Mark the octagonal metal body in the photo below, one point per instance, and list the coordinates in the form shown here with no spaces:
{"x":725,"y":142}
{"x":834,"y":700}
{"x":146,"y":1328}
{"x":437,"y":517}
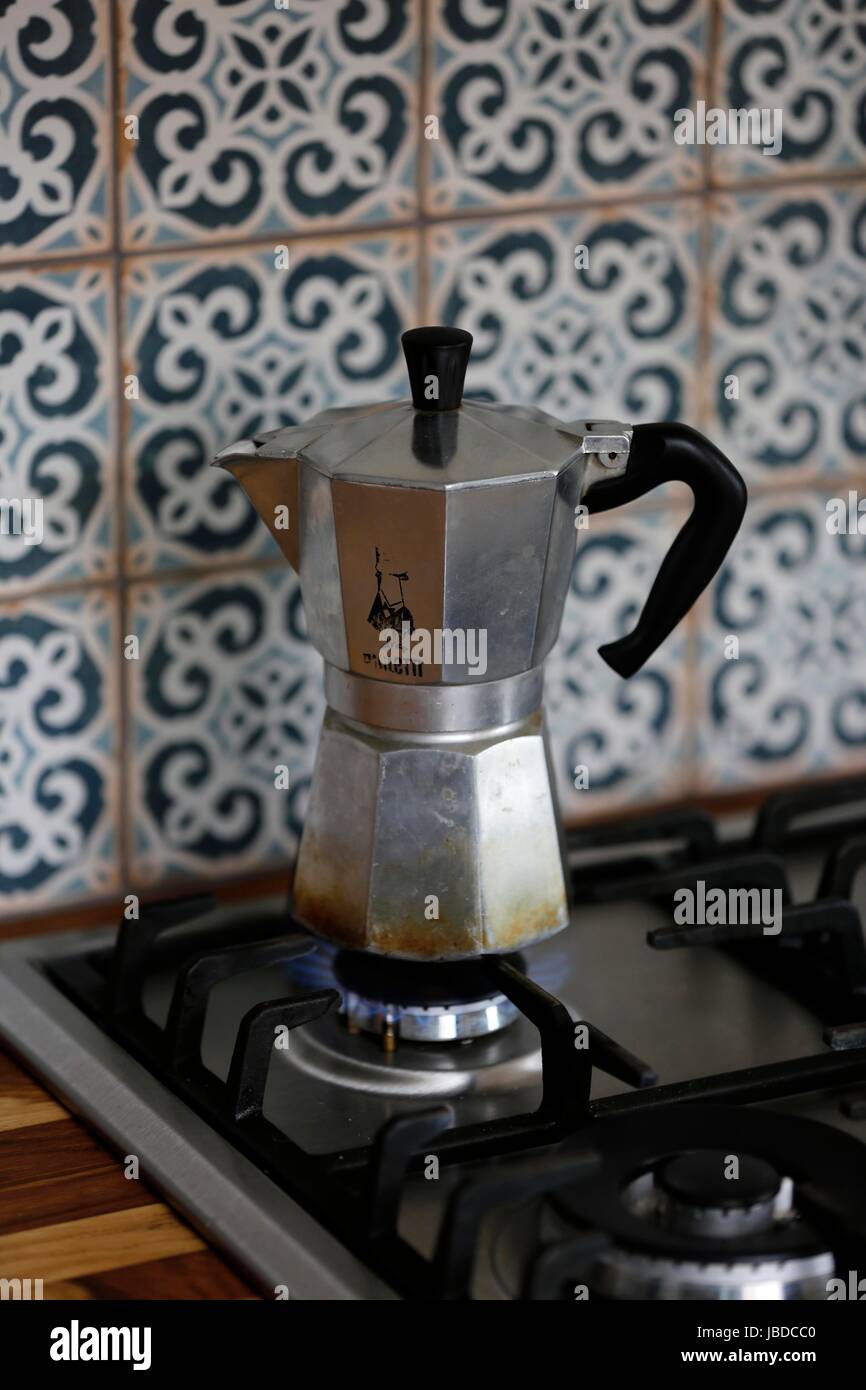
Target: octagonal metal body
{"x":431,"y":847}
{"x":432,"y":829}
{"x":458,"y":522}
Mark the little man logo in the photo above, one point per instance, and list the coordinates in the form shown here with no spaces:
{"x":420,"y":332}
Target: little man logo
{"x":77,"y":1343}
{"x":385,"y":612}
{"x":387,"y":615}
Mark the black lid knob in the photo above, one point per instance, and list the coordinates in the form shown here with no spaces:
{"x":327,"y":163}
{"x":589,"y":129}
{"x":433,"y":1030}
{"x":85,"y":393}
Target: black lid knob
{"x":437,"y":360}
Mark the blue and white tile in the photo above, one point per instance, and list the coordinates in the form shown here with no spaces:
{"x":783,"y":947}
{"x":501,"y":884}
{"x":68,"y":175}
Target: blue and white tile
{"x":789,"y":332}
{"x":250,"y":116}
{"x":616,"y":338}
{"x":54,"y":127}
{"x":549,"y":101}
{"x":806,"y":58}
{"x":57,"y":432}
{"x":787,"y":700}
{"x":631,"y":737}
{"x":222,"y":346}
{"x":225,"y":690}
{"x":59,"y":801}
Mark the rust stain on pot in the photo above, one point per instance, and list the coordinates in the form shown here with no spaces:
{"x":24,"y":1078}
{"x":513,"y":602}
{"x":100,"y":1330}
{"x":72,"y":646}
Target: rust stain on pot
{"x":335,"y":917}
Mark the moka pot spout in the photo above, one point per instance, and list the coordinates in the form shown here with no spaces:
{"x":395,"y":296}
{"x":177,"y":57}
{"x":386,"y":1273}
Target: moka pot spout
{"x":271,"y":484}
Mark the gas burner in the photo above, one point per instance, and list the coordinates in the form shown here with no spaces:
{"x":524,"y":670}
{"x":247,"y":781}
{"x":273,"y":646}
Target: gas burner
{"x":564,"y":1161}
{"x":698,"y":1202}
{"x":421,"y":1002}
{"x":692,"y":1194}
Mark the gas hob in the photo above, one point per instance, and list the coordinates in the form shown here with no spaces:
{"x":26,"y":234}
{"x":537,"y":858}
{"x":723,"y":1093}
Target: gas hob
{"x":637,"y":1108}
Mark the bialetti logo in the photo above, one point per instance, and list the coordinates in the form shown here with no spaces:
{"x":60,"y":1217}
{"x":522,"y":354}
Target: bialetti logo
{"x":77,"y":1343}
{"x":406,"y":649}
{"x":386,"y":614}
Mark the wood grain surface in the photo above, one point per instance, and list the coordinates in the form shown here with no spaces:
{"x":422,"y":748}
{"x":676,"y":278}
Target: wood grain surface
{"x":70,"y":1217}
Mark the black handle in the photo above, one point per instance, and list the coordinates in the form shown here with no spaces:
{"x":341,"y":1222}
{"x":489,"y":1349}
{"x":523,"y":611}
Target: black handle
{"x":667,"y":453}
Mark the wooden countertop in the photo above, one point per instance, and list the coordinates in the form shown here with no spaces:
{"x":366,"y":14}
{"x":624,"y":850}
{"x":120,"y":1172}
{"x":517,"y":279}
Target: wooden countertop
{"x":69,"y":1216}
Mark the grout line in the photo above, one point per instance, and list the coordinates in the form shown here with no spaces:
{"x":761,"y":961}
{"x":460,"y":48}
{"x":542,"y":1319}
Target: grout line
{"x":127,"y":582}
{"x":422,"y":163}
{"x":262,"y":564}
{"x":613,"y":202}
{"x":715,"y":29}
{"x":692,"y":627}
{"x":123,"y":719}
{"x":709,"y":83}
{"x":610,"y":203}
{"x":705,"y":313}
{"x":254,"y":564}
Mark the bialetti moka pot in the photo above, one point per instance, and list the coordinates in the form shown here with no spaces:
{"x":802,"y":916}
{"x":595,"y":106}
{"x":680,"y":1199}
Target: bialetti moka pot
{"x":434,"y":541}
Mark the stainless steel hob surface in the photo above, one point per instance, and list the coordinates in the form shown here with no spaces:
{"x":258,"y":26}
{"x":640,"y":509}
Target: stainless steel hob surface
{"x":689,"y":1014}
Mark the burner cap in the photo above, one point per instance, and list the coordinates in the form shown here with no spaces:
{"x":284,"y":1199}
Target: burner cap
{"x":416,"y":984}
{"x":698,"y":1179}
{"x":674,"y":1227}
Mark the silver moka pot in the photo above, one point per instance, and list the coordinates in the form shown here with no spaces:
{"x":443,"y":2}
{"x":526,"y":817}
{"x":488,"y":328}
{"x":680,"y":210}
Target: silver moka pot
{"x":434,"y":541}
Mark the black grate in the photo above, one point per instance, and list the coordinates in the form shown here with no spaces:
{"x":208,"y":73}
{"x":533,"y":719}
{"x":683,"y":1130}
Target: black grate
{"x":819,"y":955}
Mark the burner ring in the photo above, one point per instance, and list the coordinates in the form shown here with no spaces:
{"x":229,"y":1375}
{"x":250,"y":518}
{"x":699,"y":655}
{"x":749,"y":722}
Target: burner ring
{"x":437,"y":1023}
{"x":611,"y":1231}
{"x":422,"y":1002}
{"x":821,"y":1161}
{"x":783,"y":1245}
{"x":803,"y":1278}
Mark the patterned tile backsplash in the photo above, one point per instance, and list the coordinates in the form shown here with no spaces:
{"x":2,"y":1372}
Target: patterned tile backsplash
{"x":217,"y":218}
{"x":57,"y":435}
{"x":222,"y":346}
{"x":630,"y":738}
{"x":789,"y":323}
{"x":793,"y":703}
{"x":549,"y":102}
{"x":620,"y":335}
{"x":59,"y":748}
{"x":226,"y":689}
{"x":809,"y":58}
{"x":55,"y":159}
{"x":255,"y":117}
